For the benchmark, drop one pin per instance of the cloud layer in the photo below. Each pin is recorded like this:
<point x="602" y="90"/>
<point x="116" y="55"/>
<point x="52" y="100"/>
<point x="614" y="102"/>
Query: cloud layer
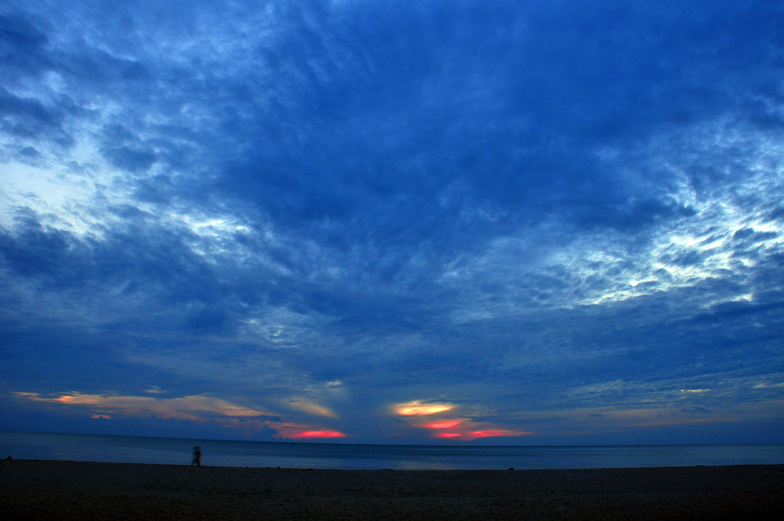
<point x="558" y="219"/>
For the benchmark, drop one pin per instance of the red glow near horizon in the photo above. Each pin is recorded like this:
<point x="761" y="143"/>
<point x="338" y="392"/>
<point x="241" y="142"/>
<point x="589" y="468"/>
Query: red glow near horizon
<point x="491" y="433"/>
<point x="472" y="435"/>
<point x="318" y="434"/>
<point x="445" y="424"/>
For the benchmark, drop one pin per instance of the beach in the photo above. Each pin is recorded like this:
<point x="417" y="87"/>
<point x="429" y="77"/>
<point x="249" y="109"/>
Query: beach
<point x="38" y="489"/>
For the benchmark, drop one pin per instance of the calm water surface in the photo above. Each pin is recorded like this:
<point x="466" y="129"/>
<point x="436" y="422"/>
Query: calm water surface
<point x="133" y="449"/>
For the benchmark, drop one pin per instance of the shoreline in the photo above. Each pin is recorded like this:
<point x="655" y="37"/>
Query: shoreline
<point x="48" y="489"/>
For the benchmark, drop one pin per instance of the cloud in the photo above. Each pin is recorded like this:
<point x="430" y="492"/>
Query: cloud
<point x="22" y="46"/>
<point x="285" y="430"/>
<point x="318" y="434"/>
<point x="194" y="408"/>
<point x="566" y="206"/>
<point x="26" y="117"/>
<point x="699" y="410"/>
<point x="311" y="408"/>
<point x="466" y="429"/>
<point x="443" y="424"/>
<point x="198" y="408"/>
<point x="421" y="408"/>
<point x="446" y="426"/>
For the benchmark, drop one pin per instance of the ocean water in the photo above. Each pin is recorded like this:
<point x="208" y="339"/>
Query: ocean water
<point x="177" y="451"/>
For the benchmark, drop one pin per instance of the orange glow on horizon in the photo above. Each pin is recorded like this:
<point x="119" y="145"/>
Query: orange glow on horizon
<point x="318" y="434"/>
<point x="445" y="424"/>
<point x="449" y="435"/>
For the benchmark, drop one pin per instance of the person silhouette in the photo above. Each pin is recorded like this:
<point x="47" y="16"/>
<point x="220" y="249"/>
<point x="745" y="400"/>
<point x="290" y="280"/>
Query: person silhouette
<point x="196" y="456"/>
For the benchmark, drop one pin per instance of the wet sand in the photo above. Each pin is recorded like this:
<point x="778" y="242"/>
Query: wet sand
<point x="32" y="489"/>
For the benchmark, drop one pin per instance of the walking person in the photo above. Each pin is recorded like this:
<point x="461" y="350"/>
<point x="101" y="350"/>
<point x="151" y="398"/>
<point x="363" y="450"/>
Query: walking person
<point x="196" y="456"/>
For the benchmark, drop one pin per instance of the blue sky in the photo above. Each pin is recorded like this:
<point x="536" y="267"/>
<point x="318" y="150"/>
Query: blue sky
<point x="542" y="222"/>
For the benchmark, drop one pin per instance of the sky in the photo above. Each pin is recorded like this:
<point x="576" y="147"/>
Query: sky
<point x="550" y="222"/>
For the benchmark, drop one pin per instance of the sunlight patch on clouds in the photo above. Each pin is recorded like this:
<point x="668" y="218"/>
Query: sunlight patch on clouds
<point x="193" y="408"/>
<point x="421" y="408"/>
<point x="419" y="414"/>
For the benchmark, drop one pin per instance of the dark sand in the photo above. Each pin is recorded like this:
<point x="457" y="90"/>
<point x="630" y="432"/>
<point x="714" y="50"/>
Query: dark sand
<point x="82" y="490"/>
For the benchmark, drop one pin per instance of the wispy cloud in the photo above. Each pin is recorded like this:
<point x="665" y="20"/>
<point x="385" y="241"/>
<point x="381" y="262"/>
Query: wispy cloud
<point x="191" y="408"/>
<point x="306" y="406"/>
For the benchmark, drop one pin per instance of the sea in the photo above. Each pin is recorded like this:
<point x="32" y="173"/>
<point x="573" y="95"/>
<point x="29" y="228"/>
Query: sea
<point x="178" y="451"/>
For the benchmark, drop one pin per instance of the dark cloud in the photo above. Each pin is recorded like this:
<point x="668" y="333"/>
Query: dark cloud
<point x="697" y="410"/>
<point x="22" y="46"/>
<point x="133" y="160"/>
<point x="351" y="139"/>
<point x="35" y="251"/>
<point x="93" y="66"/>
<point x="29" y="153"/>
<point x="749" y="236"/>
<point x="27" y="117"/>
<point x="634" y="214"/>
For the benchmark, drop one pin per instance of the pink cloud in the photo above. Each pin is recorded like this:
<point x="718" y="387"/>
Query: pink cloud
<point x="318" y="434"/>
<point x="443" y="424"/>
<point x="463" y="429"/>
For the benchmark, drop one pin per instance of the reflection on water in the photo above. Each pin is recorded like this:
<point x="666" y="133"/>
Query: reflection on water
<point x="132" y="449"/>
